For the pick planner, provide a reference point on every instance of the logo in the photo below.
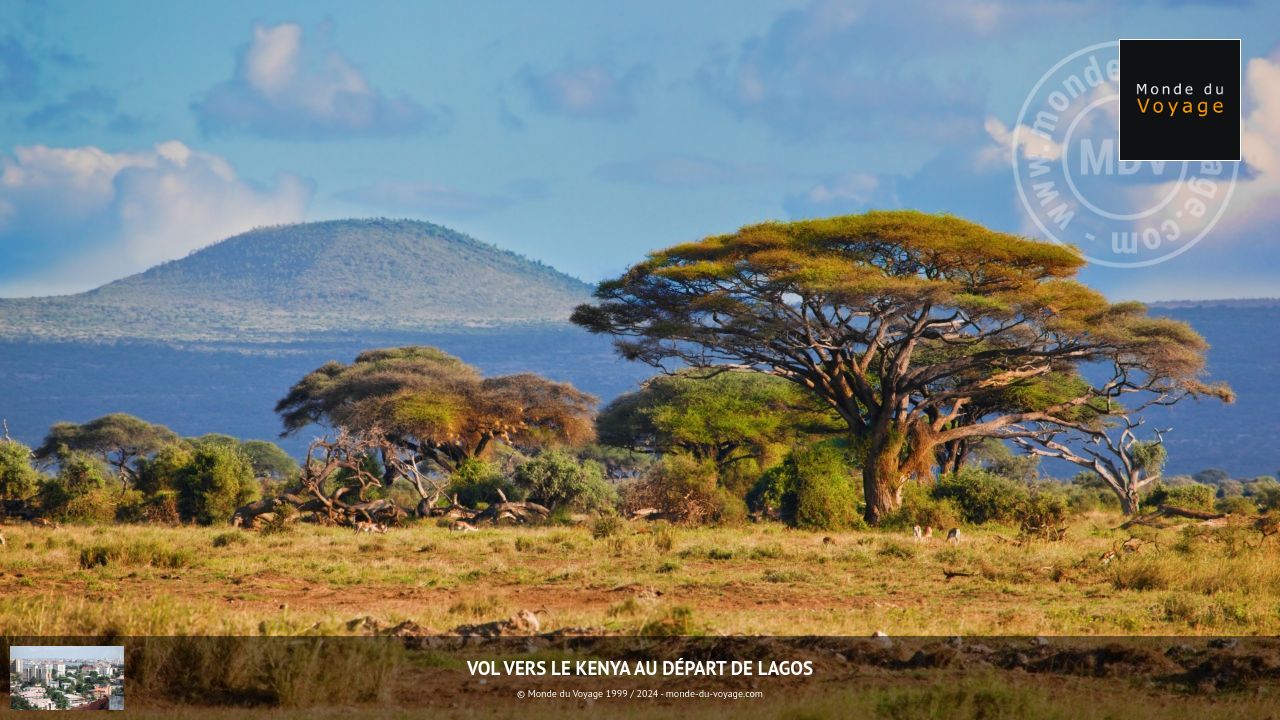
(1077, 189)
(1180, 100)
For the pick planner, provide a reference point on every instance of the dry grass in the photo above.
(758, 579)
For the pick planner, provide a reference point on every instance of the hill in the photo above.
(295, 280)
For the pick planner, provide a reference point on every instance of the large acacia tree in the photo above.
(119, 439)
(434, 410)
(919, 330)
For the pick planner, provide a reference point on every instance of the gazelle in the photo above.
(953, 536)
(368, 527)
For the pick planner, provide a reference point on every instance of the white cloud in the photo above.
(852, 192)
(74, 218)
(585, 90)
(285, 87)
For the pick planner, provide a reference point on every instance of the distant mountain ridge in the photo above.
(1218, 303)
(293, 280)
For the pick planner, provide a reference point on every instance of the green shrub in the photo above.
(162, 508)
(557, 479)
(160, 473)
(728, 508)
(476, 481)
(814, 488)
(1266, 495)
(1236, 505)
(920, 507)
(607, 526)
(92, 507)
(218, 480)
(1192, 496)
(981, 496)
(79, 492)
(1042, 514)
(18, 480)
(131, 507)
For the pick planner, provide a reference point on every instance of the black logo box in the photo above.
(1185, 64)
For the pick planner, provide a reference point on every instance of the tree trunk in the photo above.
(882, 476)
(1129, 501)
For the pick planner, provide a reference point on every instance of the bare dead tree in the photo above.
(347, 453)
(1124, 462)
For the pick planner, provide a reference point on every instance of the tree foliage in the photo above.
(218, 480)
(918, 330)
(435, 409)
(18, 479)
(119, 439)
(557, 479)
(724, 418)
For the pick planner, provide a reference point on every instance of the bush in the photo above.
(78, 493)
(679, 487)
(1236, 505)
(813, 488)
(729, 508)
(1042, 514)
(920, 507)
(607, 526)
(130, 507)
(1082, 499)
(18, 480)
(218, 480)
(981, 496)
(162, 508)
(1192, 496)
(476, 481)
(92, 507)
(1266, 495)
(160, 473)
(557, 479)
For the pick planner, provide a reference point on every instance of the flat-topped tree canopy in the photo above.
(435, 405)
(919, 330)
(118, 438)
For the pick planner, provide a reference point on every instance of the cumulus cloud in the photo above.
(289, 87)
(74, 218)
(841, 68)
(592, 91)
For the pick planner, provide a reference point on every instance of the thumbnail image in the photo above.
(66, 677)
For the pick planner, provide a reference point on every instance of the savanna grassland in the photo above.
(632, 578)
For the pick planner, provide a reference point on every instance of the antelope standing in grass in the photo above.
(368, 527)
(953, 536)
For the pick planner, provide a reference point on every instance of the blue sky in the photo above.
(579, 133)
(110, 653)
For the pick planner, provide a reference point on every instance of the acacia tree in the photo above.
(435, 410)
(724, 418)
(119, 439)
(902, 322)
